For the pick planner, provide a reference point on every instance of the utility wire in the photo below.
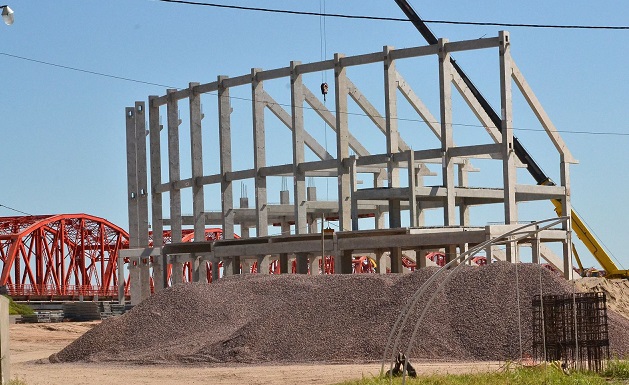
(621, 134)
(397, 19)
(83, 70)
(16, 210)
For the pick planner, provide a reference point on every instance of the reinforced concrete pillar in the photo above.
(135, 286)
(535, 248)
(145, 278)
(395, 214)
(420, 258)
(263, 264)
(245, 266)
(301, 263)
(283, 263)
(396, 260)
(311, 195)
(216, 273)
(381, 261)
(343, 263)
(177, 272)
(202, 269)
(259, 154)
(342, 144)
(451, 253)
(285, 200)
(508, 153)
(158, 276)
(445, 92)
(313, 263)
(120, 266)
(231, 265)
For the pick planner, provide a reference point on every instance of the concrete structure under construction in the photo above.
(387, 186)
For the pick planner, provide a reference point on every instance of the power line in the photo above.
(16, 210)
(83, 70)
(622, 134)
(396, 19)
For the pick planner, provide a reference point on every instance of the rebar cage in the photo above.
(572, 329)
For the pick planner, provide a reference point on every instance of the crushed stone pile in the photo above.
(334, 318)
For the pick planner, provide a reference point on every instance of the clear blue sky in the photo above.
(63, 132)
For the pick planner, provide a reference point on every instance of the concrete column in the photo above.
(566, 208)
(285, 200)
(299, 180)
(420, 258)
(462, 249)
(263, 264)
(342, 144)
(245, 266)
(177, 269)
(395, 213)
(412, 195)
(259, 154)
(158, 273)
(135, 286)
(302, 263)
(421, 172)
(508, 154)
(232, 266)
(156, 198)
(215, 269)
(343, 262)
(311, 195)
(535, 248)
(451, 253)
(145, 278)
(353, 181)
(225, 144)
(143, 209)
(172, 107)
(120, 266)
(396, 260)
(445, 91)
(132, 178)
(464, 210)
(390, 108)
(381, 261)
(196, 154)
(202, 269)
(313, 263)
(284, 263)
(379, 215)
(391, 133)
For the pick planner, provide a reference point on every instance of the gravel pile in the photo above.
(335, 318)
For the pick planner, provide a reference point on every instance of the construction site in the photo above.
(348, 254)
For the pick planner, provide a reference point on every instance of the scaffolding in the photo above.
(571, 329)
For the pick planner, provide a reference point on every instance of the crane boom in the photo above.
(582, 232)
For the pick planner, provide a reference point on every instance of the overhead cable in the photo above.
(397, 19)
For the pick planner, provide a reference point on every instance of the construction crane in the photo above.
(578, 226)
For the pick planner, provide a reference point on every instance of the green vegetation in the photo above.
(617, 369)
(17, 309)
(616, 374)
(16, 381)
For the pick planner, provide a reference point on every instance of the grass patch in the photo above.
(18, 309)
(617, 369)
(616, 374)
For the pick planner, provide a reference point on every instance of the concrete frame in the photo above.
(351, 202)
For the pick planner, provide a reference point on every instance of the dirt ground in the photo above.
(31, 344)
